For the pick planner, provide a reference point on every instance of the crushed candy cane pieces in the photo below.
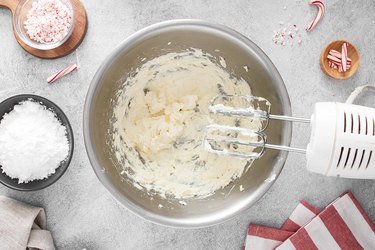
(319, 16)
(286, 34)
(48, 21)
(339, 60)
(62, 73)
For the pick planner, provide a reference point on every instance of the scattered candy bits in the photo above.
(62, 73)
(287, 34)
(319, 16)
(48, 21)
(339, 60)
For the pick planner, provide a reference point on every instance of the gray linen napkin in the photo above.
(23, 226)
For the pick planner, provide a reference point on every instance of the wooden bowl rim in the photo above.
(324, 63)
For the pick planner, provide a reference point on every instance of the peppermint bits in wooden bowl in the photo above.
(340, 59)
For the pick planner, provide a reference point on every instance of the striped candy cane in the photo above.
(319, 16)
(332, 65)
(339, 60)
(62, 73)
(336, 60)
(344, 57)
(337, 54)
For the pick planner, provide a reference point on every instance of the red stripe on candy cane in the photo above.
(337, 54)
(319, 16)
(348, 64)
(333, 59)
(332, 65)
(344, 56)
(62, 73)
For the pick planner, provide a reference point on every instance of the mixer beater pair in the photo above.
(342, 141)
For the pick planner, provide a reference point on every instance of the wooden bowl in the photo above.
(352, 54)
(79, 31)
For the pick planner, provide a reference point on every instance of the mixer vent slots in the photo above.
(355, 159)
(357, 124)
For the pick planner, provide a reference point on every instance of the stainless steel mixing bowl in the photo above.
(172, 36)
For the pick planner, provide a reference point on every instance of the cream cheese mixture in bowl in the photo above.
(144, 121)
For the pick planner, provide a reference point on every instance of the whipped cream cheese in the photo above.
(160, 115)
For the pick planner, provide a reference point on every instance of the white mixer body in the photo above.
(342, 141)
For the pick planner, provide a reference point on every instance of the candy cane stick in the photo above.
(344, 57)
(332, 65)
(334, 59)
(336, 65)
(347, 66)
(339, 63)
(62, 73)
(319, 16)
(338, 54)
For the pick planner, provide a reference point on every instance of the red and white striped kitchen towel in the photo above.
(343, 224)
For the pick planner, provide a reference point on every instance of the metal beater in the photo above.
(342, 141)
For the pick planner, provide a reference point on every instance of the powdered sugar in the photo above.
(48, 21)
(33, 142)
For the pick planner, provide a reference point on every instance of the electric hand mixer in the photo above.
(342, 139)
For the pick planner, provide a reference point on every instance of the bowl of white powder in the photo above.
(146, 112)
(36, 142)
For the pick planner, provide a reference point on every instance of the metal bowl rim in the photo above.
(139, 211)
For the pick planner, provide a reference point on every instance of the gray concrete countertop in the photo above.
(81, 212)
